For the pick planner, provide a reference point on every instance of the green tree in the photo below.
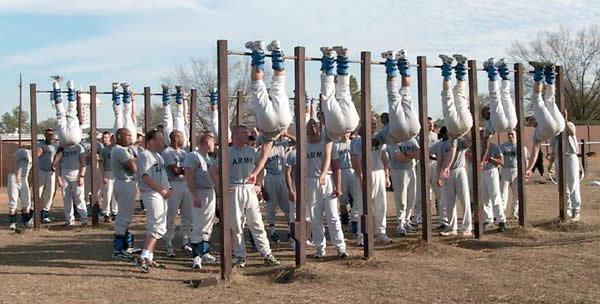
(49, 123)
(10, 121)
(157, 116)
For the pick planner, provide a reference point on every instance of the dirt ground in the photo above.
(546, 262)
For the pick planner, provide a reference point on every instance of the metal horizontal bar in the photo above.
(238, 53)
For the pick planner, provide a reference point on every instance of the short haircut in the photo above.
(49, 130)
(204, 138)
(237, 127)
(429, 118)
(106, 133)
(152, 134)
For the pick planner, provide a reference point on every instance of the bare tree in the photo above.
(201, 74)
(579, 54)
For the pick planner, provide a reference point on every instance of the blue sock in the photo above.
(404, 67)
(129, 240)
(342, 65)
(119, 243)
(179, 96)
(70, 95)
(258, 60)
(447, 71)
(278, 61)
(56, 96)
(503, 71)
(391, 67)
(44, 214)
(126, 96)
(214, 97)
(327, 65)
(461, 71)
(116, 97)
(354, 227)
(204, 247)
(491, 72)
(12, 218)
(24, 218)
(550, 75)
(166, 97)
(538, 74)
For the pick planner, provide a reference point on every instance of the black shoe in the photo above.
(501, 227)
(107, 219)
(275, 237)
(442, 227)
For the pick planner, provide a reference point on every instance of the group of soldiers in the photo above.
(175, 180)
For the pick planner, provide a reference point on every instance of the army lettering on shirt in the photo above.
(199, 164)
(404, 147)
(341, 152)
(242, 162)
(376, 159)
(151, 164)
(314, 158)
(174, 157)
(70, 160)
(48, 153)
(118, 157)
(509, 151)
(495, 152)
(22, 158)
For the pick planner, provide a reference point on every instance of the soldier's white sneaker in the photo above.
(449, 233)
(342, 253)
(402, 54)
(275, 45)
(460, 58)
(197, 263)
(256, 45)
(341, 51)
(446, 59)
(208, 258)
(12, 227)
(569, 213)
(383, 239)
(239, 262)
(328, 51)
(576, 216)
(389, 55)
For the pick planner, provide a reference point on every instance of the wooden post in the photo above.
(424, 152)
(21, 109)
(93, 155)
(193, 117)
(299, 230)
(223, 105)
(35, 181)
(475, 151)
(520, 130)
(366, 161)
(147, 112)
(583, 155)
(238, 107)
(562, 185)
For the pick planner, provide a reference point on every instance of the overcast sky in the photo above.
(142, 41)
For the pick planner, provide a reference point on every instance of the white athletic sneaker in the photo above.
(446, 59)
(197, 263)
(70, 84)
(115, 85)
(449, 233)
(170, 251)
(257, 45)
(309, 243)
(84, 222)
(488, 62)
(389, 55)
(46, 220)
(576, 216)
(57, 79)
(29, 223)
(460, 58)
(342, 253)
(328, 51)
(402, 54)
(208, 258)
(239, 262)
(500, 62)
(125, 86)
(165, 86)
(360, 240)
(319, 253)
(569, 213)
(270, 260)
(275, 45)
(401, 231)
(341, 51)
(383, 239)
(12, 227)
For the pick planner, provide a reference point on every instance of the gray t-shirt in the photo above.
(153, 165)
(376, 160)
(119, 156)
(509, 151)
(241, 163)
(404, 147)
(495, 152)
(23, 161)
(69, 163)
(290, 158)
(341, 152)
(199, 164)
(570, 148)
(461, 149)
(488, 130)
(105, 156)
(435, 149)
(48, 152)
(276, 159)
(314, 158)
(174, 157)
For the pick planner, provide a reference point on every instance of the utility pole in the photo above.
(20, 106)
